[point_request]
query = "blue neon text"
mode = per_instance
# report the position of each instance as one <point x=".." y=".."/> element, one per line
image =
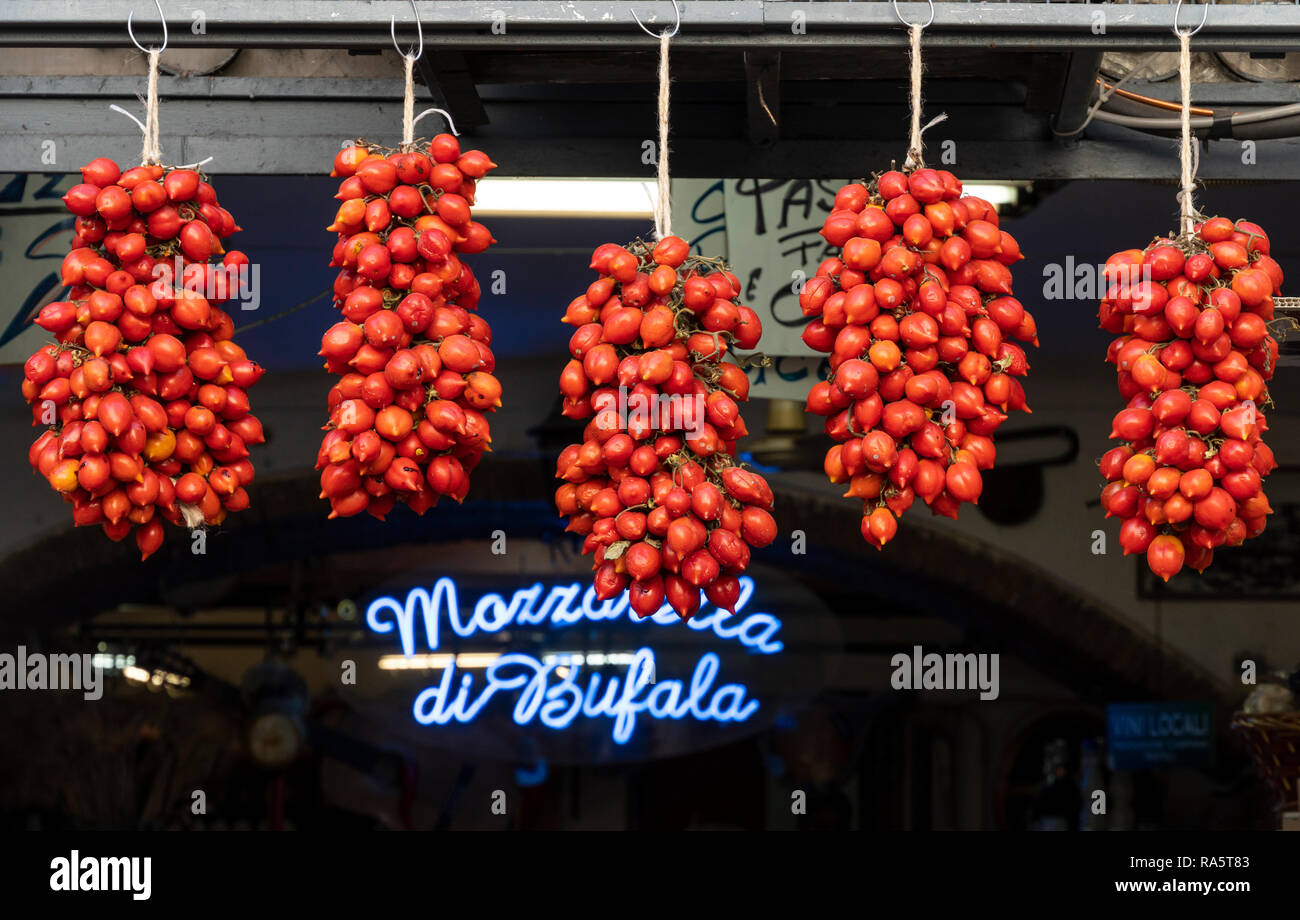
<point x="556" y="692"/>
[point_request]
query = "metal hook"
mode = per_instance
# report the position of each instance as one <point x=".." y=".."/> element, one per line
<point x="445" y="114"/>
<point x="677" y="11"/>
<point x="131" y="32"/>
<point x="927" y="22"/>
<point x="1205" y="14"/>
<point x="392" y="28"/>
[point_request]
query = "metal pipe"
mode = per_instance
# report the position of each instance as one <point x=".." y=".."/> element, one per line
<point x="1258" y="116"/>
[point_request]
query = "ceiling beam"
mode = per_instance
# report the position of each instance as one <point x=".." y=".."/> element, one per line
<point x="446" y="75"/>
<point x="744" y="24"/>
<point x="828" y="128"/>
<point x="1076" y="94"/>
<point x="295" y="136"/>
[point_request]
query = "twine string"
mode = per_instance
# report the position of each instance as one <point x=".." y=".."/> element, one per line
<point x="1188" y="154"/>
<point x="663" y="206"/>
<point x="914" y="145"/>
<point x="409" y="57"/>
<point x="408" y="103"/>
<point x="151" y="150"/>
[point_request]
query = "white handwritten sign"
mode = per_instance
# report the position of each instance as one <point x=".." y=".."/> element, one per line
<point x="769" y="230"/>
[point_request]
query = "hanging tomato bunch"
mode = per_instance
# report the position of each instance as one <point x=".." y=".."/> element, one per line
<point x="917" y="315"/>
<point x="1193" y="354"/>
<point x="144" y="395"/>
<point x="653" y="487"/>
<point x="407" y="416"/>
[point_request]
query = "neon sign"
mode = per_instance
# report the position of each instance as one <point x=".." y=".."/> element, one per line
<point x="555" y="692"/>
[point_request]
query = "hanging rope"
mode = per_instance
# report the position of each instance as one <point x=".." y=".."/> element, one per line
<point x="663" y="203"/>
<point x="151" y="148"/>
<point x="151" y="152"/>
<point x="408" y="58"/>
<point x="915" y="144"/>
<point x="408" y="104"/>
<point x="1185" y="151"/>
<point x="1189" y="151"/>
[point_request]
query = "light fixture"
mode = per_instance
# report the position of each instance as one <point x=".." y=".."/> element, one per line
<point x="630" y="198"/>
<point x="107" y="661"/>
<point x="476" y="659"/>
<point x="1004" y="196"/>
<point x="591" y="659"/>
<point x="635" y="198"/>
<point x="414" y="662"/>
<point x="436" y="662"/>
<point x="156" y="678"/>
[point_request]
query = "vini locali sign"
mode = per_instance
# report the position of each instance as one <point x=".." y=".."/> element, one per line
<point x="556" y="691"/>
<point x="1142" y="736"/>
